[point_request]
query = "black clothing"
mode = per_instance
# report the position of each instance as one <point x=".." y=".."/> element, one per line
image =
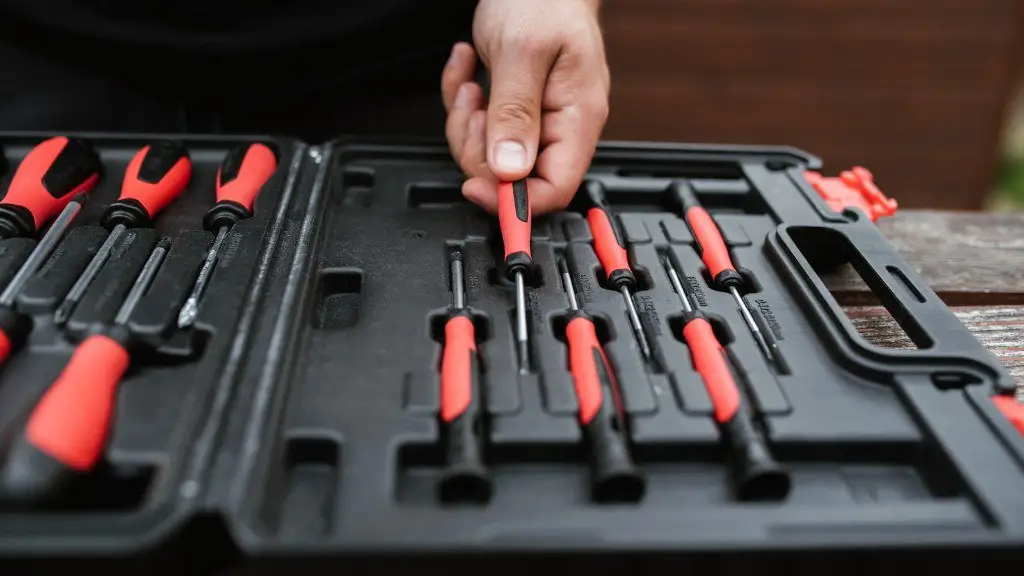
<point x="310" y="68"/>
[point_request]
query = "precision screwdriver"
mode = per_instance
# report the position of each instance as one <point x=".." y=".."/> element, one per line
<point x="240" y="177"/>
<point x="516" y="220"/>
<point x="715" y="254"/>
<point x="610" y="246"/>
<point x="155" y="176"/>
<point x="68" y="428"/>
<point x="461" y="402"/>
<point x="756" y="474"/>
<point x="15" y="326"/>
<point x="49" y="176"/>
<point x="601" y="416"/>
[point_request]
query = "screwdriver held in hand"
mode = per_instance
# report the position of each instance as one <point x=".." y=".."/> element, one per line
<point x="610" y="246"/>
<point x="465" y="476"/>
<point x="516" y="221"/>
<point x="240" y="178"/>
<point x="715" y="254"/>
<point x="756" y="474"/>
<point x="155" y="176"/>
<point x="49" y="176"/>
<point x="602" y="417"/>
<point x="68" y="428"/>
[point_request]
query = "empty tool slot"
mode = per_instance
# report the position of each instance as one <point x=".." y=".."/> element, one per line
<point x="683" y="169"/>
<point x="357" y="184"/>
<point x="434" y="194"/>
<point x="862" y="292"/>
<point x="110" y="488"/>
<point x="338" y="298"/>
<point x="310" y="485"/>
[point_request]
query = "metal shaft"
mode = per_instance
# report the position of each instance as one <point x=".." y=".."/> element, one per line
<point x="749" y="319"/>
<point x="678" y="286"/>
<point x="88" y="276"/>
<point x="458" y="292"/>
<point x="142" y="282"/>
<point x="521" y="328"/>
<point x="42" y="251"/>
<point x="634" y="320"/>
<point x="567" y="286"/>
<point x="188" y="312"/>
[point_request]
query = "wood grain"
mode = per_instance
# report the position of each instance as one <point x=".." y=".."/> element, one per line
<point x="968" y="258"/>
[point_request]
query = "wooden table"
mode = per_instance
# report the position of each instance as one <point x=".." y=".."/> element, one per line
<point x="974" y="261"/>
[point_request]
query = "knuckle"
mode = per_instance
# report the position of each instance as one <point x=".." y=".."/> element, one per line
<point x="515" y="112"/>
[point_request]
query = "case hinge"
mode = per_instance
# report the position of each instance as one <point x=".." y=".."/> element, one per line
<point x="853" y="188"/>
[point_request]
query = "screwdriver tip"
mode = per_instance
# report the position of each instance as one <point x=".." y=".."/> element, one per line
<point x="187" y="315"/>
<point x="62" y="313"/>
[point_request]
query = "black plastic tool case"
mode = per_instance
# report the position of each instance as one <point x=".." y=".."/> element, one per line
<point x="299" y="418"/>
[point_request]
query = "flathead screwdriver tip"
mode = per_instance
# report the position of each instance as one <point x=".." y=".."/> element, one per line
<point x="187" y="315"/>
<point x="63" y="312"/>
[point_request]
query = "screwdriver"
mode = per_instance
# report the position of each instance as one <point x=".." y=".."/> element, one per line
<point x="756" y="474"/>
<point x="461" y="406"/>
<point x="613" y="475"/>
<point x="68" y="428"/>
<point x="715" y="255"/>
<point x="15" y="326"/>
<point x="610" y="246"/>
<point x="155" y="176"/>
<point x="515" y="218"/>
<point x="240" y="177"/>
<point x="49" y="176"/>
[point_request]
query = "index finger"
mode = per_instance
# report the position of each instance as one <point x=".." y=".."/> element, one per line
<point x="571" y="136"/>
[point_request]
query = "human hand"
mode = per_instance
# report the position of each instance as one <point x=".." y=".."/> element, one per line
<point x="548" y="99"/>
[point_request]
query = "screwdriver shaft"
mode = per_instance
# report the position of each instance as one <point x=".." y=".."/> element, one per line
<point x="458" y="294"/>
<point x="42" y="251"/>
<point x="188" y="312"/>
<point x="634" y="320"/>
<point x="142" y="282"/>
<point x="521" y="329"/>
<point x="749" y="319"/>
<point x="85" y="280"/>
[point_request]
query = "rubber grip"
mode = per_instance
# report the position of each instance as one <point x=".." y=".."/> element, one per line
<point x="607" y="242"/>
<point x="71" y="422"/>
<point x="709" y="361"/>
<point x="1012" y="410"/>
<point x="712" y="246"/>
<point x="156" y="175"/>
<point x="584" y="351"/>
<point x="5" y="347"/>
<point x="515" y="217"/>
<point x="50" y="175"/>
<point x="457" y="367"/>
<point x="243" y="173"/>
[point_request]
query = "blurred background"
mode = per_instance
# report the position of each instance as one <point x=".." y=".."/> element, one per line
<point x="928" y="94"/>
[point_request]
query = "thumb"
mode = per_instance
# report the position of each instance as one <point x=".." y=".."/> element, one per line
<point x="514" y="111"/>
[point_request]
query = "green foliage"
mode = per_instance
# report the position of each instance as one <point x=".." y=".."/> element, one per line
<point x="1010" y="180"/>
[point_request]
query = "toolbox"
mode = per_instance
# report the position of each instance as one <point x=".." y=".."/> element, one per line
<point x="299" y="415"/>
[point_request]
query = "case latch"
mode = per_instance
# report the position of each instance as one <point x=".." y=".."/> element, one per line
<point x="853" y="188"/>
<point x="1012" y="409"/>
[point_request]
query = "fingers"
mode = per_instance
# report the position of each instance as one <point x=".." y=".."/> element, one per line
<point x="570" y="137"/>
<point x="459" y="70"/>
<point x="518" y="76"/>
<point x="468" y="99"/>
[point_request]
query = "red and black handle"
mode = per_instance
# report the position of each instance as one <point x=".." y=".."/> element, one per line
<point x="49" y="176"/>
<point x="516" y="220"/>
<point x="756" y="474"/>
<point x="15" y="328"/>
<point x="609" y="241"/>
<point x="68" y="428"/>
<point x="156" y="175"/>
<point x="710" y="243"/>
<point x="613" y="475"/>
<point x="241" y="176"/>
<point x="462" y="418"/>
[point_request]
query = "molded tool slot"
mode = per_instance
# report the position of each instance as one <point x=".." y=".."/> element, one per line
<point x="429" y="195"/>
<point x="834" y="258"/>
<point x="357" y="184"/>
<point x="338" y="298"/>
<point x="310" y="483"/>
<point x="718" y="325"/>
<point x="726" y="170"/>
<point x="481" y="326"/>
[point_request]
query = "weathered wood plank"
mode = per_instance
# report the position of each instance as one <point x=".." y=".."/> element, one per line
<point x="999" y="328"/>
<point x="968" y="258"/>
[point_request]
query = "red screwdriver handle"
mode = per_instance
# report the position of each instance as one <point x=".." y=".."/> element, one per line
<point x="516" y="220"/>
<point x="155" y="176"/>
<point x="458" y="368"/>
<point x="71" y="422"/>
<point x="591" y="373"/>
<point x="49" y="176"/>
<point x="240" y="178"/>
<point x="609" y="242"/>
<point x="709" y="361"/>
<point x="713" y="250"/>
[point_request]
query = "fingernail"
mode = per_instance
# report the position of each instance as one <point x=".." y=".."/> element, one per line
<point x="510" y="156"/>
<point x="462" y="96"/>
